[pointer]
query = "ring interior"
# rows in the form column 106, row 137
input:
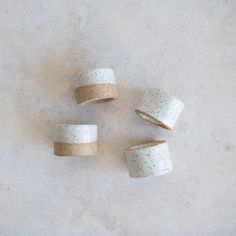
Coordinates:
column 152, row 119
column 146, row 145
column 96, row 100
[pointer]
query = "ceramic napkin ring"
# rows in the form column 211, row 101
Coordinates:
column 148, row 159
column 75, row 140
column 159, row 108
column 98, row 85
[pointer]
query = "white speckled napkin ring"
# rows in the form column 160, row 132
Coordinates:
column 148, row 159
column 159, row 108
column 75, row 140
column 96, row 85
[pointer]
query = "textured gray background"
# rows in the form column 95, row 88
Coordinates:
column 185, row 47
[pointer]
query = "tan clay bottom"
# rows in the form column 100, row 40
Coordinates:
column 96, row 93
column 75, row 149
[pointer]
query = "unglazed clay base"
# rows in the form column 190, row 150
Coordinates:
column 148, row 159
column 75, row 149
column 159, row 108
column 96, row 93
column 98, row 85
column 75, row 140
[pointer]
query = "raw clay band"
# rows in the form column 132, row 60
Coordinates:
column 75, row 149
column 96, row 93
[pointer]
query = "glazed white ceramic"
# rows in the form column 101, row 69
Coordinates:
column 96, row 76
column 148, row 159
column 67, row 133
column 160, row 108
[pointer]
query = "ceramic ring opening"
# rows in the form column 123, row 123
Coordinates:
column 159, row 108
column 151, row 119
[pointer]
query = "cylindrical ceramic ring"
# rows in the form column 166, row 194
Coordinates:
column 75, row 140
column 159, row 108
column 96, row 85
column 148, row 159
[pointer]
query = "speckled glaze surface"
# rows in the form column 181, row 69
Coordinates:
column 149, row 159
column 159, row 108
column 96, row 76
column 67, row 133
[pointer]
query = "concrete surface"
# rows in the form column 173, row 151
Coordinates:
column 185, row 47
